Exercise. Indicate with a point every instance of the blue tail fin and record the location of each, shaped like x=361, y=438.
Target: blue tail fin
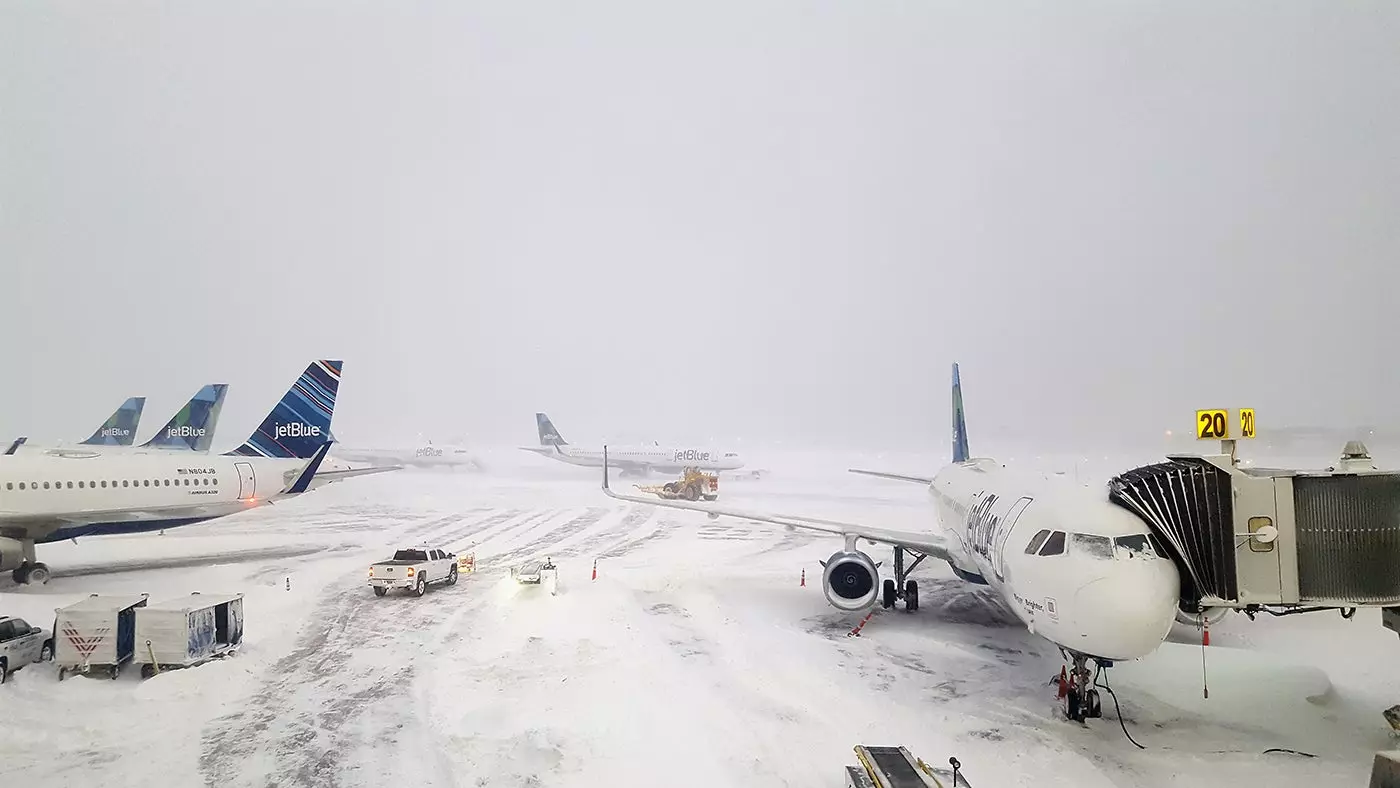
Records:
x=301, y=423
x=120, y=428
x=548, y=435
x=193, y=426
x=960, y=453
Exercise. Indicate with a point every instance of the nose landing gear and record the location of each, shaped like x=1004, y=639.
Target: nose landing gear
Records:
x=1078, y=698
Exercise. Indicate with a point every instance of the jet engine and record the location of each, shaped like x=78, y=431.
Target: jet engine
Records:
x=11, y=554
x=1207, y=616
x=851, y=581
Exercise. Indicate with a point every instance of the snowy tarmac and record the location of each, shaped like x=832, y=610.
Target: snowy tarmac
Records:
x=695, y=659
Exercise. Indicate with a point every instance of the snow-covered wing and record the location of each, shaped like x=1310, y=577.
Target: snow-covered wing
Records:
x=895, y=476
x=927, y=543
x=346, y=473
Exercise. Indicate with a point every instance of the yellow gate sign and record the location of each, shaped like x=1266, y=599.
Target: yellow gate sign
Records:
x=1212, y=425
x=1246, y=422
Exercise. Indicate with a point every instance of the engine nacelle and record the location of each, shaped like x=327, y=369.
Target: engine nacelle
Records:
x=11, y=554
x=851, y=581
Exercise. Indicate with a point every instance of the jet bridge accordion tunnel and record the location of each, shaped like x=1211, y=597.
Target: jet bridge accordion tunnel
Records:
x=1336, y=534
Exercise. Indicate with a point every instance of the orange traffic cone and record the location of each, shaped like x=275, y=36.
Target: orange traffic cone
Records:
x=595, y=569
x=1205, y=635
x=1064, y=684
x=804, y=578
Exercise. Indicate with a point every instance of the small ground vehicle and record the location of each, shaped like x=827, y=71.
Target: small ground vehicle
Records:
x=22, y=644
x=96, y=635
x=694, y=485
x=542, y=573
x=415, y=569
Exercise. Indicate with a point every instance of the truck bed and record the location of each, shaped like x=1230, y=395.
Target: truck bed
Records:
x=404, y=562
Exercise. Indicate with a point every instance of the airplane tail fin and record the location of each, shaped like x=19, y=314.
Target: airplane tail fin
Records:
x=960, y=451
x=301, y=423
x=192, y=427
x=120, y=428
x=549, y=436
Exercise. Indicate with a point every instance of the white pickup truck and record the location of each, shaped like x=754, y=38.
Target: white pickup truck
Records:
x=414, y=569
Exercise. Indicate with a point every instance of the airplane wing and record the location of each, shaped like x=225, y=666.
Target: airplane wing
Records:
x=929, y=544
x=895, y=476
x=346, y=473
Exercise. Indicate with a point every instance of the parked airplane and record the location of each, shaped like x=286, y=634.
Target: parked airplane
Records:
x=633, y=461
x=46, y=498
x=120, y=428
x=426, y=455
x=1077, y=570
x=190, y=429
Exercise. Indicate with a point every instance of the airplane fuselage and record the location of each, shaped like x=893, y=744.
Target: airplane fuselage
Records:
x=651, y=458
x=1087, y=585
x=45, y=498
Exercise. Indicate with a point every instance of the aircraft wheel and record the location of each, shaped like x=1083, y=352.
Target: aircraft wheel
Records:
x=21, y=574
x=887, y=598
x=1092, y=706
x=911, y=596
x=38, y=573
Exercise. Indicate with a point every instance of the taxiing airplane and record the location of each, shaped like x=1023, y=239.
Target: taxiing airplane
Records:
x=632, y=461
x=46, y=498
x=1078, y=570
x=190, y=429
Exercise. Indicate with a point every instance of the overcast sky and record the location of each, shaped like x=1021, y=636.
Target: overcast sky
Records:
x=779, y=221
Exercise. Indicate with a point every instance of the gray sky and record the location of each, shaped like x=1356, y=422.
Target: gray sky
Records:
x=774, y=220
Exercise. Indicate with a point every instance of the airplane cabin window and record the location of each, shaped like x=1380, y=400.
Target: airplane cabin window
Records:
x=9, y=485
x=1092, y=545
x=1055, y=545
x=80, y=485
x=46, y=485
x=1037, y=542
x=70, y=485
x=21, y=485
x=1135, y=546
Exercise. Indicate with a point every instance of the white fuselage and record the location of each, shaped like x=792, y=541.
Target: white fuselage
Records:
x=46, y=498
x=651, y=458
x=1097, y=596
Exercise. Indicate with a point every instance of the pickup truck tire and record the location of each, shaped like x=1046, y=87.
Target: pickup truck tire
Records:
x=452, y=575
x=4, y=670
x=380, y=591
x=421, y=587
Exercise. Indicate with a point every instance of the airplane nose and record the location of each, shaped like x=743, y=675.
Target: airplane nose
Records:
x=1128, y=614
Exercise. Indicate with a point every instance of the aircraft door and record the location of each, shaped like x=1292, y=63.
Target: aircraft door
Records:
x=247, y=483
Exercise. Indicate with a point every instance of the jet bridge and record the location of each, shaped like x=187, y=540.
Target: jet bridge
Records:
x=1254, y=538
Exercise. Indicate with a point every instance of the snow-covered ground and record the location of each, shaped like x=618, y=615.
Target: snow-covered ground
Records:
x=695, y=658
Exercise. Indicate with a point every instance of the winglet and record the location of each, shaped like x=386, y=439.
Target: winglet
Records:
x=14, y=447
x=309, y=472
x=960, y=450
x=605, y=470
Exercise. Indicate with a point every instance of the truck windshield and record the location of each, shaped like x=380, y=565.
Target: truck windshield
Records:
x=410, y=555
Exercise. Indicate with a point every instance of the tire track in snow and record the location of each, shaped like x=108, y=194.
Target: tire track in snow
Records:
x=341, y=699
x=560, y=532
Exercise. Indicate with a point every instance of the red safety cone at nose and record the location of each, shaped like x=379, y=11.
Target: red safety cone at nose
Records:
x=595, y=569
x=804, y=578
x=1064, y=684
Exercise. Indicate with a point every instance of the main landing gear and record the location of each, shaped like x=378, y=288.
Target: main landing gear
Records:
x=1077, y=695
x=29, y=570
x=900, y=587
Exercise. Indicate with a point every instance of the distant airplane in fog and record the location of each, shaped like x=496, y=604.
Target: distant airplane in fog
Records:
x=635, y=460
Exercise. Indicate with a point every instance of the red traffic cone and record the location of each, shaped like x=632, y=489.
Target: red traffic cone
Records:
x=595, y=569
x=1205, y=636
x=803, y=584
x=1064, y=684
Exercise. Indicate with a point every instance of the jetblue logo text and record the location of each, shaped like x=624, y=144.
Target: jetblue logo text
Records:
x=692, y=455
x=297, y=431
x=185, y=431
x=115, y=432
x=429, y=452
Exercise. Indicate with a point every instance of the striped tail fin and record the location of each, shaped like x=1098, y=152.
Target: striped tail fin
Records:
x=960, y=452
x=301, y=423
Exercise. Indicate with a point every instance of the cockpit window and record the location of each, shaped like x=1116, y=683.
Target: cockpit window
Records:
x=1158, y=546
x=1055, y=545
x=1135, y=546
x=1091, y=545
x=1037, y=542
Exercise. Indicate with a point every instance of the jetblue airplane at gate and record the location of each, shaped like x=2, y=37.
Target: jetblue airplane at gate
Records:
x=46, y=498
x=1078, y=570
